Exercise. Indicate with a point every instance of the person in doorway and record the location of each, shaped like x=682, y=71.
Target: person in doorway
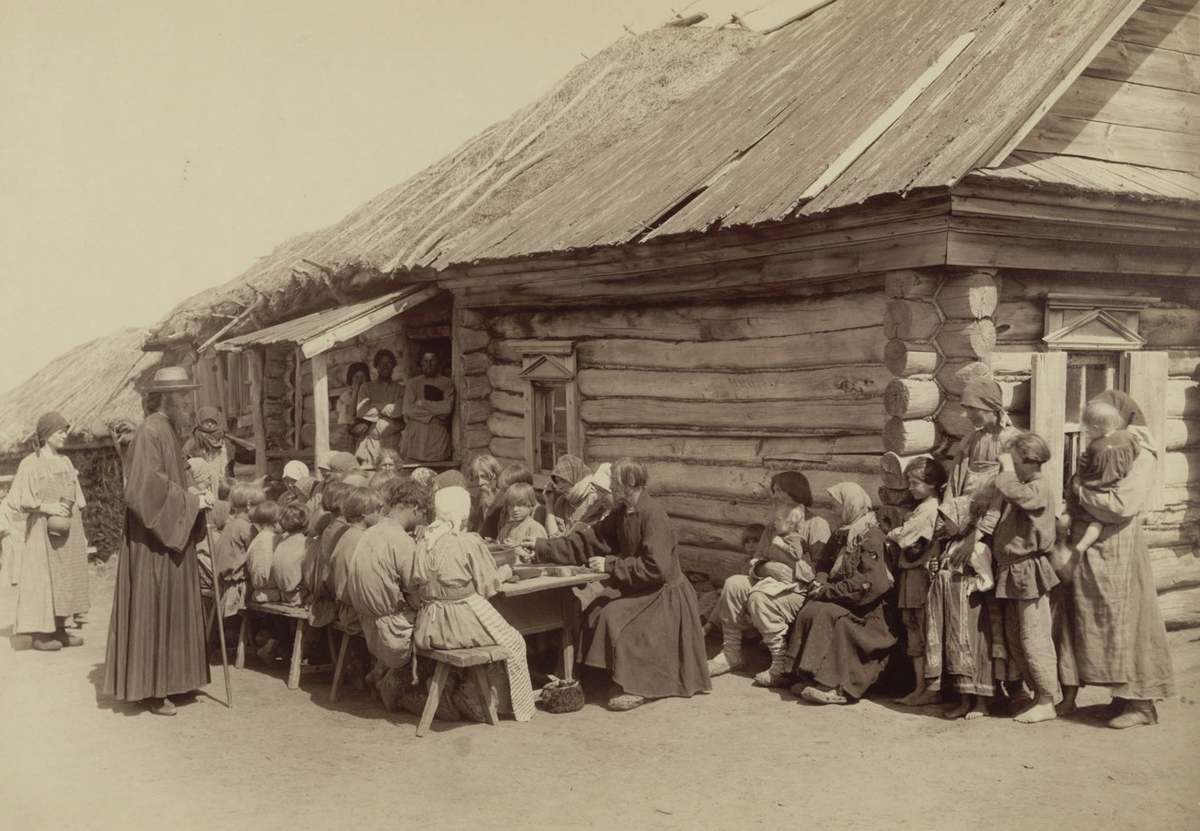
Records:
x=156, y=634
x=379, y=406
x=428, y=404
x=52, y=573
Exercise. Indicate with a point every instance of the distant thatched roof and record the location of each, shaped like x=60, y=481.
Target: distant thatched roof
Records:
x=93, y=385
x=416, y=222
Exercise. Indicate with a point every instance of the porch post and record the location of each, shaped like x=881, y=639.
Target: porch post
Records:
x=320, y=375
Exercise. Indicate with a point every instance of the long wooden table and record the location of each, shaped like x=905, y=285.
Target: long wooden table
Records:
x=546, y=604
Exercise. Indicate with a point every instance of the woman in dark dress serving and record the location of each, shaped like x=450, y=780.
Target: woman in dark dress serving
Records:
x=650, y=635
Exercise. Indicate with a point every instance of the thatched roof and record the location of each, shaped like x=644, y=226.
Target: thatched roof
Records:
x=416, y=223
x=93, y=386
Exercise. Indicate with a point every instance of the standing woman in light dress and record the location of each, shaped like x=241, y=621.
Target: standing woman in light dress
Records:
x=52, y=574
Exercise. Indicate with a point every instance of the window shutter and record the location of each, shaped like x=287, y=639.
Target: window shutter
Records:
x=1144, y=376
x=1048, y=412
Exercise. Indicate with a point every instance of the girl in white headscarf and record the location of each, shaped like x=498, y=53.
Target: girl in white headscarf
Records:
x=455, y=574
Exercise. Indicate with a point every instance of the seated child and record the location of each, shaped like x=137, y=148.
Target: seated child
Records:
x=216, y=518
x=769, y=596
x=1110, y=453
x=455, y=575
x=520, y=500
x=911, y=540
x=1021, y=545
x=265, y=517
x=234, y=544
x=286, y=575
x=316, y=568
x=752, y=536
x=958, y=643
x=361, y=510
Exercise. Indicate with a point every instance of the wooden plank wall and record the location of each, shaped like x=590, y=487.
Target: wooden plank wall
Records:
x=714, y=396
x=1138, y=102
x=1173, y=326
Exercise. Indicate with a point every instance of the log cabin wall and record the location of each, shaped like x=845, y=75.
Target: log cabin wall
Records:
x=714, y=395
x=1171, y=325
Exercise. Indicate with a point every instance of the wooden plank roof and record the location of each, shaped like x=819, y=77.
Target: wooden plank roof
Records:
x=745, y=150
x=1083, y=175
x=321, y=331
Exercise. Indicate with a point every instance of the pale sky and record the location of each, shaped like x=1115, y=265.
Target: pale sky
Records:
x=151, y=149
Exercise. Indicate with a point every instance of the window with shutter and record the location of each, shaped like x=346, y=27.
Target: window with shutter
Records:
x=552, y=426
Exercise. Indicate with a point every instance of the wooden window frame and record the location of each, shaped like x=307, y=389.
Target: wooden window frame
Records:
x=549, y=363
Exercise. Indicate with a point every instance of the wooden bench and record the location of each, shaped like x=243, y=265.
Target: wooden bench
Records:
x=474, y=659
x=340, y=665
x=299, y=617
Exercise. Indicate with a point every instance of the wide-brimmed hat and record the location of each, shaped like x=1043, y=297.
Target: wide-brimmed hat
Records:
x=171, y=379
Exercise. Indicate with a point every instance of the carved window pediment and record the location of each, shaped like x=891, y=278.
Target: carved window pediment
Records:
x=1090, y=323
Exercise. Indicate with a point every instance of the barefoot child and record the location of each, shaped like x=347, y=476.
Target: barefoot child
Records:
x=1022, y=542
x=958, y=643
x=1110, y=453
x=926, y=478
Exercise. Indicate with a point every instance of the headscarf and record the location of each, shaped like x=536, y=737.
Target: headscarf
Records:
x=856, y=517
x=295, y=470
x=570, y=469
x=1132, y=415
x=451, y=508
x=450, y=479
x=211, y=441
x=1124, y=404
x=304, y=486
x=852, y=501
x=324, y=459
x=984, y=394
x=602, y=478
x=342, y=462
x=49, y=424
x=423, y=476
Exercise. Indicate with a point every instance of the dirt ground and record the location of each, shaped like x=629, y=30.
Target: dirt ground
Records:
x=739, y=756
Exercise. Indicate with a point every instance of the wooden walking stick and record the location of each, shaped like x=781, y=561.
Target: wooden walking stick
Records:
x=219, y=610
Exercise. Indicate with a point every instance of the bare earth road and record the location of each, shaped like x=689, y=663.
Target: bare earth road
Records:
x=737, y=757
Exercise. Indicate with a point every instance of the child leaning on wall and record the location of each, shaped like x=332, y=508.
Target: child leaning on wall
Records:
x=911, y=543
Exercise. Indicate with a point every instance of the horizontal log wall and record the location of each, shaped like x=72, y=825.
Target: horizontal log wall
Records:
x=1171, y=325
x=714, y=397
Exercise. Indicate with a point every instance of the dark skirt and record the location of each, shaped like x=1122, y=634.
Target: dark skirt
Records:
x=652, y=642
x=156, y=636
x=838, y=648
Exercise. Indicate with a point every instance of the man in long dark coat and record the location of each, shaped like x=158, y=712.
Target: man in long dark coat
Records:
x=156, y=643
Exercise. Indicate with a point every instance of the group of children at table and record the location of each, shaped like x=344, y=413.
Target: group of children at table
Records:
x=303, y=549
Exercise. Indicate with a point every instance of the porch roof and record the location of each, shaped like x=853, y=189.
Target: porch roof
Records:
x=321, y=331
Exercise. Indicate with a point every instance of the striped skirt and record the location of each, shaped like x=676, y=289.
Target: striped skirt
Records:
x=497, y=628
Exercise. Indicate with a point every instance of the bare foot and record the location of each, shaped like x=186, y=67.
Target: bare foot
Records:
x=1066, y=708
x=919, y=698
x=978, y=711
x=961, y=710
x=1036, y=713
